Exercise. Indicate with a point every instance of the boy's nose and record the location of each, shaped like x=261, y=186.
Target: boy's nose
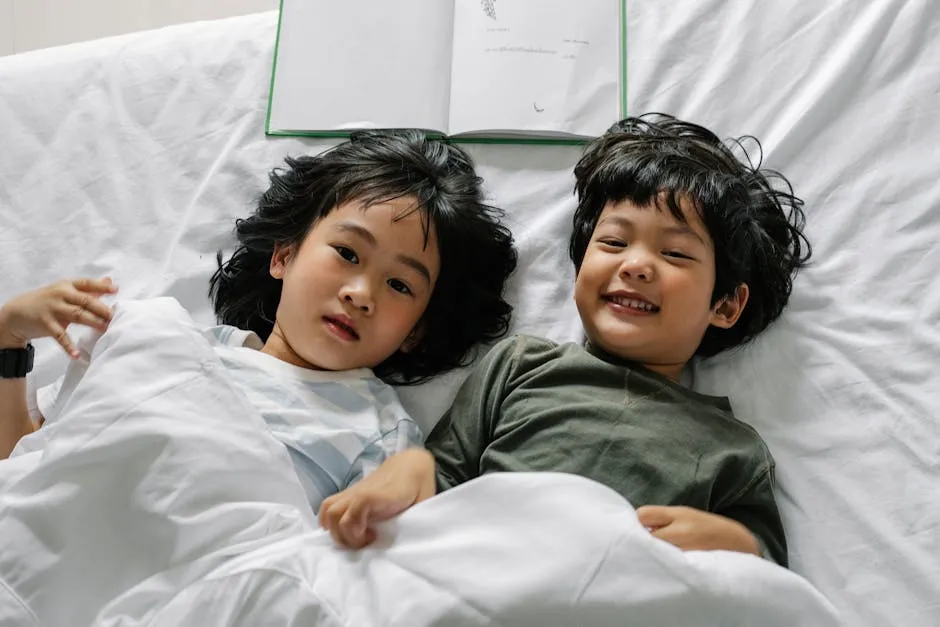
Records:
x=638, y=268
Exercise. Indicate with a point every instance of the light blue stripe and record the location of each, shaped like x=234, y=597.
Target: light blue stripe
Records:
x=316, y=482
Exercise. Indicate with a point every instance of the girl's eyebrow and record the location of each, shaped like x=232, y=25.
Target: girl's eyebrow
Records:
x=415, y=265
x=366, y=234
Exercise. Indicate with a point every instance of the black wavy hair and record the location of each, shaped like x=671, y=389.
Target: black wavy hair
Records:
x=754, y=219
x=476, y=250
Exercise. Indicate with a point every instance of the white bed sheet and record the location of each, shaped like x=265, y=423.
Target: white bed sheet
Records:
x=132, y=156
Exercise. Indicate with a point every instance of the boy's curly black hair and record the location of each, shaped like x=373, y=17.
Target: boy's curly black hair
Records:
x=755, y=221
x=477, y=251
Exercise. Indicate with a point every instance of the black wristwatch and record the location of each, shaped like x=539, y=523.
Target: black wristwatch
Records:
x=16, y=363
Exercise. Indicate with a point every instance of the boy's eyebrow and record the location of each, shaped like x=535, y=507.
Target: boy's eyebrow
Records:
x=366, y=234
x=352, y=227
x=684, y=229
x=678, y=229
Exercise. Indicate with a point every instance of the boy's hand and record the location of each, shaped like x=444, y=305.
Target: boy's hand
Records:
x=48, y=311
x=694, y=530
x=400, y=482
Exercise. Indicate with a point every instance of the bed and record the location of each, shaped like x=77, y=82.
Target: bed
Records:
x=132, y=156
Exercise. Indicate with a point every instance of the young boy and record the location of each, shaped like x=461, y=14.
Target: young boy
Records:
x=680, y=251
x=347, y=277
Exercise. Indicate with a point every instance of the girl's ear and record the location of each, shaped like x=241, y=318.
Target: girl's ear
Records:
x=726, y=313
x=280, y=260
x=413, y=339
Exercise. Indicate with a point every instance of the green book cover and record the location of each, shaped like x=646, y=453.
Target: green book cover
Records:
x=474, y=71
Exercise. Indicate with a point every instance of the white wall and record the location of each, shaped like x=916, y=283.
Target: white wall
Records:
x=31, y=24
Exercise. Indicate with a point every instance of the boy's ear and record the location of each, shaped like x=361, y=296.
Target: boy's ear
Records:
x=727, y=311
x=279, y=260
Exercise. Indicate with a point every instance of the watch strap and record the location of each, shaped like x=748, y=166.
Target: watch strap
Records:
x=16, y=363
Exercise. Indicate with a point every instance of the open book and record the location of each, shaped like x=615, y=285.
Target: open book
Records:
x=502, y=70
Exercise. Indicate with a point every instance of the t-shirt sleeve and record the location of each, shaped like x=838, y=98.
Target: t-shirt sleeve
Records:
x=463, y=433
x=227, y=335
x=756, y=509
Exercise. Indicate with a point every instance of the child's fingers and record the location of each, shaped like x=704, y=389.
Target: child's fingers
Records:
x=87, y=303
x=338, y=538
x=335, y=518
x=331, y=510
x=347, y=520
x=57, y=332
x=655, y=516
x=68, y=314
x=670, y=535
x=353, y=526
x=324, y=518
x=95, y=286
x=330, y=516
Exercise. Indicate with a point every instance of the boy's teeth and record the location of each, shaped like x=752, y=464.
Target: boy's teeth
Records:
x=635, y=304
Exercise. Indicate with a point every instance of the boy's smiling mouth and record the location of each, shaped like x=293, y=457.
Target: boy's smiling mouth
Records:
x=342, y=327
x=629, y=302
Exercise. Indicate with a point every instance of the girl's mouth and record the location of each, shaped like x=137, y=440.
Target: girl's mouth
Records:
x=341, y=329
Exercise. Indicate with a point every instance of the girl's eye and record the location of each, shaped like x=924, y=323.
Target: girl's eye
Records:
x=347, y=253
x=676, y=254
x=616, y=243
x=399, y=286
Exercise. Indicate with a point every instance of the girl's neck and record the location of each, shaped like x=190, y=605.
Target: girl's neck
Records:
x=278, y=347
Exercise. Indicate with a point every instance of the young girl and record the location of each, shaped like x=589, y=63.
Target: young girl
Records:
x=375, y=262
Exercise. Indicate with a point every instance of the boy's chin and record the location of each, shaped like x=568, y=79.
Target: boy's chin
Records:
x=616, y=345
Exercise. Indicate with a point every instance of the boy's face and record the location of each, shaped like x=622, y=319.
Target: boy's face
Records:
x=355, y=289
x=645, y=285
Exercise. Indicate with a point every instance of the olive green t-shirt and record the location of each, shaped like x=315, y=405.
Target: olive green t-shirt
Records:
x=533, y=405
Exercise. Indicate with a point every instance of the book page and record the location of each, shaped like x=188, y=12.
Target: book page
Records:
x=537, y=66
x=351, y=64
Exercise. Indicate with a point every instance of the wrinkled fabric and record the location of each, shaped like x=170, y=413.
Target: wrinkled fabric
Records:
x=159, y=496
x=133, y=156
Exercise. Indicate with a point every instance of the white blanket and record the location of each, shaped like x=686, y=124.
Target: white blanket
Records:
x=158, y=497
x=133, y=156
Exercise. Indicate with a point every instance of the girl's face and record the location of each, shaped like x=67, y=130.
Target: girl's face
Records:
x=355, y=289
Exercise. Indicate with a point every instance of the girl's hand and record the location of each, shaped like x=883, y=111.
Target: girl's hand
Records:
x=694, y=530
x=401, y=481
x=48, y=311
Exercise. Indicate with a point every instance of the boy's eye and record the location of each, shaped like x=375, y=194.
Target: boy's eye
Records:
x=347, y=253
x=676, y=254
x=399, y=286
x=616, y=243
